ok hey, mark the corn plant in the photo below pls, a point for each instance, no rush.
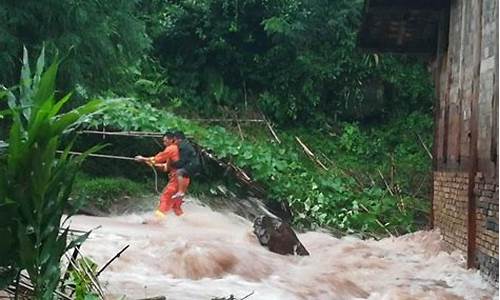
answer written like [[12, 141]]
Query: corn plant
[[36, 179]]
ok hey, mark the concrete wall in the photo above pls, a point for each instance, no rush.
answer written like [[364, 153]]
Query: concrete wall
[[465, 201]]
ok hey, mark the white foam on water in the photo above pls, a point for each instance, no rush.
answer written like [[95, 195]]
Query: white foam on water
[[205, 254]]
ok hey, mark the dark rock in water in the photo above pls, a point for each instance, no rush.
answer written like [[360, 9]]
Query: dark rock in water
[[280, 209], [277, 236]]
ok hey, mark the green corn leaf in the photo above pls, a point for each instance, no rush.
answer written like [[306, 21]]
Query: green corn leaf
[[26, 249], [25, 86], [47, 84], [11, 100], [69, 119], [57, 107], [40, 64]]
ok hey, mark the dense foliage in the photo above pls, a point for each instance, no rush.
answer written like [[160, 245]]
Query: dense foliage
[[365, 116], [36, 180], [330, 198], [295, 60], [104, 41]]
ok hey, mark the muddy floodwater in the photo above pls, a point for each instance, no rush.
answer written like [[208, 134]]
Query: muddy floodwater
[[205, 254]]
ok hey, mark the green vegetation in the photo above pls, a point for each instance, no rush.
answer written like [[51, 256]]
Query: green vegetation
[[103, 192], [297, 61], [365, 117], [36, 180], [80, 277], [104, 41], [317, 197]]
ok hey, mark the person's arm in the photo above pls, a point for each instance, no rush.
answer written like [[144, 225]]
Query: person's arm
[[163, 160], [159, 159], [146, 160]]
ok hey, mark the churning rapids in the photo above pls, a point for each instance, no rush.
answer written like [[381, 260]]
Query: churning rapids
[[206, 254]]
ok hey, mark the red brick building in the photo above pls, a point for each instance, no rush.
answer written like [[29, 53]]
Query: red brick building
[[460, 39]]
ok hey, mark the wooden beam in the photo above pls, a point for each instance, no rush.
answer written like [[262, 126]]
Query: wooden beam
[[405, 4], [474, 125]]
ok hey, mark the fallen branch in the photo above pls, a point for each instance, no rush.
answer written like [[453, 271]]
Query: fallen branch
[[123, 133], [311, 154], [376, 220], [85, 273], [248, 295], [26, 284], [401, 206], [111, 260], [93, 279], [241, 175], [239, 127], [70, 267], [424, 145], [385, 182], [272, 131], [228, 120]]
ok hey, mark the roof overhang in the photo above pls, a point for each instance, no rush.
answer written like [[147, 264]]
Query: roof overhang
[[402, 26]]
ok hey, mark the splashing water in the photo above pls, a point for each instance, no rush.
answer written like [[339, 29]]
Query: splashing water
[[205, 254]]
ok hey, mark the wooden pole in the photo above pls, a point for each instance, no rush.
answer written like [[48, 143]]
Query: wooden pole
[[111, 260]]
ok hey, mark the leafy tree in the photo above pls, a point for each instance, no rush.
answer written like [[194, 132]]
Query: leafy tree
[[104, 40], [295, 60], [36, 181]]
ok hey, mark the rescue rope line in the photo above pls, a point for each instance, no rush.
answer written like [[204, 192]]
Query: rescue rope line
[[100, 155], [116, 157], [156, 179]]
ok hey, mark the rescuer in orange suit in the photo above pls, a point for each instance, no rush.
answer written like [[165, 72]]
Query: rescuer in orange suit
[[163, 161]]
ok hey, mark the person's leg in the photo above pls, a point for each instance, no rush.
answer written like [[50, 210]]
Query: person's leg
[[177, 207], [178, 201], [183, 183], [166, 201]]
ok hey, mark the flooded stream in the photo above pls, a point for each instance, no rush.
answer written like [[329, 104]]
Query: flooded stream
[[206, 254]]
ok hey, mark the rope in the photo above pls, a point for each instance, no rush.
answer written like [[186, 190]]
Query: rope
[[100, 155], [117, 157], [156, 179]]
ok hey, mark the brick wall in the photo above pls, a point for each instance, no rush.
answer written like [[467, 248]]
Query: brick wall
[[450, 208], [466, 137], [486, 195]]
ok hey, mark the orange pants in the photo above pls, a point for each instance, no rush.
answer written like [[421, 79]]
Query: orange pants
[[166, 201]]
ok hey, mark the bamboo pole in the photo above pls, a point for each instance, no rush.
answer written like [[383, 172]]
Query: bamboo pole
[[385, 182], [248, 295], [229, 120], [91, 276], [111, 260], [273, 132], [311, 154], [124, 133], [377, 220], [425, 146]]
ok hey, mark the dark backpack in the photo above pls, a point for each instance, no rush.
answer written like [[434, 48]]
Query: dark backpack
[[189, 159]]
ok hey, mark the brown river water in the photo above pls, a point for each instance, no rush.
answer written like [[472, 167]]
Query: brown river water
[[206, 254]]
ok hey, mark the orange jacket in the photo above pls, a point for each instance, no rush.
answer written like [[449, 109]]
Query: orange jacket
[[169, 154]]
